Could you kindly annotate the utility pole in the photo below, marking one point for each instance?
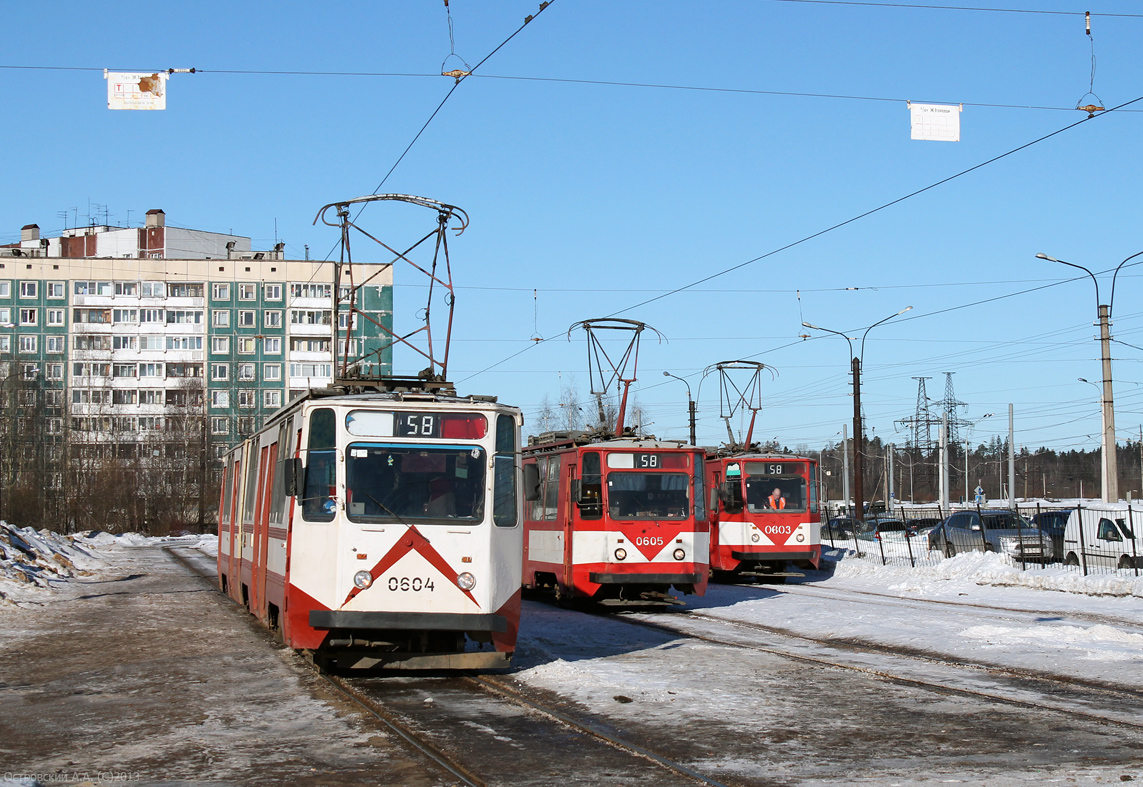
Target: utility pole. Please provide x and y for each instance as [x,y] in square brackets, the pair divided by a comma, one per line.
[889,471]
[1011,459]
[844,466]
[858,447]
[944,462]
[1110,460]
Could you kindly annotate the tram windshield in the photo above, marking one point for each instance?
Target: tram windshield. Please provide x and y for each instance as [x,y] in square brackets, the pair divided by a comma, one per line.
[401,483]
[774,486]
[647,495]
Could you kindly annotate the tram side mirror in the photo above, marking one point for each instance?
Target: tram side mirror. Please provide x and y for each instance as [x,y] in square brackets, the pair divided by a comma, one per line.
[713,500]
[577,491]
[531,482]
[292,472]
[730,493]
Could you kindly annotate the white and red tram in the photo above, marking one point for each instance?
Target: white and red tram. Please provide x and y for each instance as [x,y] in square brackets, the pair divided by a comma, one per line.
[380,530]
[764,515]
[618,521]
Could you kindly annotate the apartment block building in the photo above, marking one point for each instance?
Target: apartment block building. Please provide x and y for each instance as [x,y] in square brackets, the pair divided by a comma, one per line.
[124,329]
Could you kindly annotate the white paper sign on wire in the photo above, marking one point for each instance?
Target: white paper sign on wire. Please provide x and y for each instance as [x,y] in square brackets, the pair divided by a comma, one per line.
[136,91]
[935,122]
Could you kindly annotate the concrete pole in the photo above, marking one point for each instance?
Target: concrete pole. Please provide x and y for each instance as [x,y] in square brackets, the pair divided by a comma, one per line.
[944,462]
[858,445]
[1011,459]
[889,471]
[1110,491]
[845,466]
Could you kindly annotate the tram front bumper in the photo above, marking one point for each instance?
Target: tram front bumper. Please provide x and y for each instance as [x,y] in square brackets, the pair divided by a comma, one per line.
[773,556]
[418,621]
[600,578]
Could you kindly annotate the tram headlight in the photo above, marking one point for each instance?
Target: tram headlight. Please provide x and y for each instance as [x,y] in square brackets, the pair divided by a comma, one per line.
[621,554]
[679,554]
[362,579]
[754,537]
[465,581]
[801,538]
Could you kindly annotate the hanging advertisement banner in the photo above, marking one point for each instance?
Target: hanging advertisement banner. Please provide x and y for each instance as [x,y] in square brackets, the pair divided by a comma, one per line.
[136,91]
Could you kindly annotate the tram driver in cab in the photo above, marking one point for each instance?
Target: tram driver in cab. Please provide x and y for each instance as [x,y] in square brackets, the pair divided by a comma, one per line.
[775,500]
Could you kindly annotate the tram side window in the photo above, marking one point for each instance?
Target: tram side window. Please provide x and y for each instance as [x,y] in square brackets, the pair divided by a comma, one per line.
[250,487]
[552,488]
[591,487]
[278,492]
[504,509]
[700,488]
[536,507]
[318,501]
[227,490]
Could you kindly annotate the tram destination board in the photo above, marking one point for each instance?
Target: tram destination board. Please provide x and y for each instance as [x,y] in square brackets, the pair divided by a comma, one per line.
[773,468]
[418,425]
[641,460]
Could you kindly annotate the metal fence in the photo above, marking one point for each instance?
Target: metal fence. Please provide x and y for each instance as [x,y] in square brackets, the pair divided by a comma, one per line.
[1088,538]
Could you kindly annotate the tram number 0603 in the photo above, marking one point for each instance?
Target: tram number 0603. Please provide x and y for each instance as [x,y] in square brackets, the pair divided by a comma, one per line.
[415,584]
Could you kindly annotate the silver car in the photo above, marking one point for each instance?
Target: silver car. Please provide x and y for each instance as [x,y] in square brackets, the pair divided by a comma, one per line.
[1005,532]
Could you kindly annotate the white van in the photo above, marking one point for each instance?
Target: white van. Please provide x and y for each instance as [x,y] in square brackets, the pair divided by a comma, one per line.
[1103,538]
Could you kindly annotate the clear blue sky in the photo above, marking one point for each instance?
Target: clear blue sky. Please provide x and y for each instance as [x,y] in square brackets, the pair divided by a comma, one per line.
[600,197]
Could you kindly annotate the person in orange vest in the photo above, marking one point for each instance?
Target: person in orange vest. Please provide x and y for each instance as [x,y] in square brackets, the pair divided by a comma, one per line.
[776,500]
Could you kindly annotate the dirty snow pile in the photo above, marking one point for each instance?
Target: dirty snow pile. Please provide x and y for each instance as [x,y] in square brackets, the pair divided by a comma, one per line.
[984,568]
[31,559]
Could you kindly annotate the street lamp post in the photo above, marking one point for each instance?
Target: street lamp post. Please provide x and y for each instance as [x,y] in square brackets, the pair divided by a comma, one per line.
[858,435]
[690,404]
[1110,480]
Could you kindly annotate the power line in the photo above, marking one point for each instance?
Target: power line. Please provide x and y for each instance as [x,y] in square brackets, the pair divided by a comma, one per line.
[954,8]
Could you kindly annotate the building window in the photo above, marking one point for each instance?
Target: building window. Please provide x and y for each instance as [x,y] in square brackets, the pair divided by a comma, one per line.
[123,370]
[29,371]
[150,370]
[28,316]
[185,290]
[28,344]
[247,292]
[56,344]
[220,344]
[184,317]
[184,370]
[5,289]
[219,371]
[55,316]
[54,371]
[272,372]
[184,342]
[246,425]
[152,315]
[310,317]
[272,345]
[220,398]
[121,343]
[221,318]
[272,292]
[5,316]
[246,318]
[150,396]
[272,319]
[128,289]
[154,289]
[125,396]
[5,344]
[220,292]
[246,345]
[246,371]
[55,289]
[272,399]
[120,315]
[246,398]
[29,289]
[311,370]
[346,320]
[310,290]
[219,425]
[54,398]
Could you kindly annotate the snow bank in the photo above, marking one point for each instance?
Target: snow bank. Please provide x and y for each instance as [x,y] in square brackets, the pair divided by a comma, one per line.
[983,568]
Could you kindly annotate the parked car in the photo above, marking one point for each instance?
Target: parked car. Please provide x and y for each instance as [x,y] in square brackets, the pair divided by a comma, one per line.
[1005,532]
[1101,539]
[839,529]
[1053,523]
[876,528]
[919,527]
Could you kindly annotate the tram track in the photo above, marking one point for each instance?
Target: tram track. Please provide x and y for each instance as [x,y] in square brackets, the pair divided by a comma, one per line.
[809,589]
[481,730]
[1073,697]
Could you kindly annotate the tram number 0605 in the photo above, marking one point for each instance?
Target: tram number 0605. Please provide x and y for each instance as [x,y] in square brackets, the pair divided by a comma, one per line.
[649,541]
[415,584]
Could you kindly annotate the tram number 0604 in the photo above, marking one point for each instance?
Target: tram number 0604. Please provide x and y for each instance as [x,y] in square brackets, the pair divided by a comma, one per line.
[415,584]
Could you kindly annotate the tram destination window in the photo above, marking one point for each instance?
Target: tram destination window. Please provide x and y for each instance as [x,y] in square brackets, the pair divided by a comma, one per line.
[407,483]
[775,486]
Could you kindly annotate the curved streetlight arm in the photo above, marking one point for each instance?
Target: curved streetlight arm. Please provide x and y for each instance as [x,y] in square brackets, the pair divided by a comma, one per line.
[861,360]
[681,380]
[827,330]
[1043,256]
[1111,302]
